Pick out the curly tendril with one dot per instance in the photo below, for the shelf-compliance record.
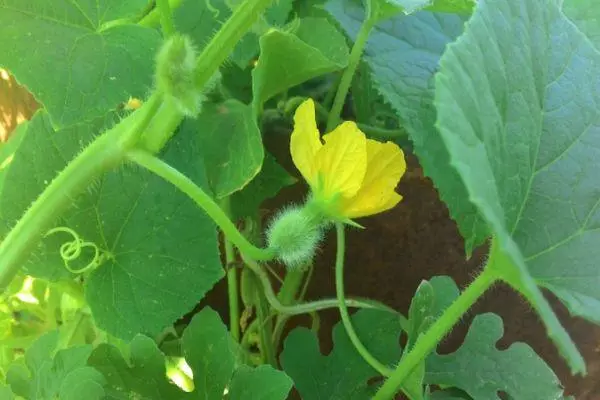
(71, 250)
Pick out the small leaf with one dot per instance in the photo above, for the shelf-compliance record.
(342, 374)
(261, 383)
(586, 15)
(142, 376)
(403, 55)
(315, 49)
(228, 145)
(520, 121)
(481, 370)
(210, 352)
(71, 58)
(44, 371)
(162, 249)
(271, 179)
(83, 383)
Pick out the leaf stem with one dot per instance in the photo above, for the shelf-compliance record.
(212, 209)
(382, 133)
(348, 74)
(232, 281)
(104, 153)
(222, 44)
(166, 17)
(308, 307)
(339, 289)
(153, 18)
(265, 329)
(427, 342)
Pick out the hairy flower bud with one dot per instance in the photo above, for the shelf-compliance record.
(295, 235)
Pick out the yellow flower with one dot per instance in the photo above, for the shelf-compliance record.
(350, 176)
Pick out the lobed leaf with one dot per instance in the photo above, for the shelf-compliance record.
(342, 374)
(74, 58)
(162, 253)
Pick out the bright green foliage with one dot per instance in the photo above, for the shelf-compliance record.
(143, 374)
(452, 6)
(318, 376)
(269, 181)
(162, 250)
(262, 383)
(380, 10)
(586, 15)
(520, 123)
(288, 59)
(45, 373)
(403, 54)
(482, 370)
(210, 353)
(72, 58)
(6, 393)
(212, 356)
(228, 145)
(83, 383)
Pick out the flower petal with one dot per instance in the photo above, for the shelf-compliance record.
(305, 141)
(385, 167)
(342, 162)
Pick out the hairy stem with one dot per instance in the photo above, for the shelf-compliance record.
(222, 44)
(346, 80)
(166, 18)
(265, 329)
(204, 201)
(339, 289)
(103, 154)
(427, 343)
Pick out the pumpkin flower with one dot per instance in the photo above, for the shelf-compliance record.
(350, 176)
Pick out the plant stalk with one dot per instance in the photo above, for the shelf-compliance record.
(232, 282)
(427, 342)
(166, 17)
(204, 201)
(339, 289)
(346, 80)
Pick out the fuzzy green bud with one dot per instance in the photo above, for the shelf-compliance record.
(175, 73)
(294, 235)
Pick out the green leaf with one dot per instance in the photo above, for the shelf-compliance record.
(70, 56)
(228, 144)
(210, 352)
(380, 10)
(403, 54)
(316, 48)
(6, 393)
(271, 179)
(143, 375)
(8, 149)
(83, 383)
(342, 374)
(200, 19)
(586, 15)
(261, 383)
(521, 125)
(162, 250)
(452, 6)
(482, 370)
(44, 371)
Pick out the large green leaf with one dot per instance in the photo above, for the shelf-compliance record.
(143, 375)
(162, 250)
(521, 123)
(72, 58)
(45, 373)
(586, 15)
(482, 370)
(403, 54)
(228, 144)
(342, 374)
(289, 59)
